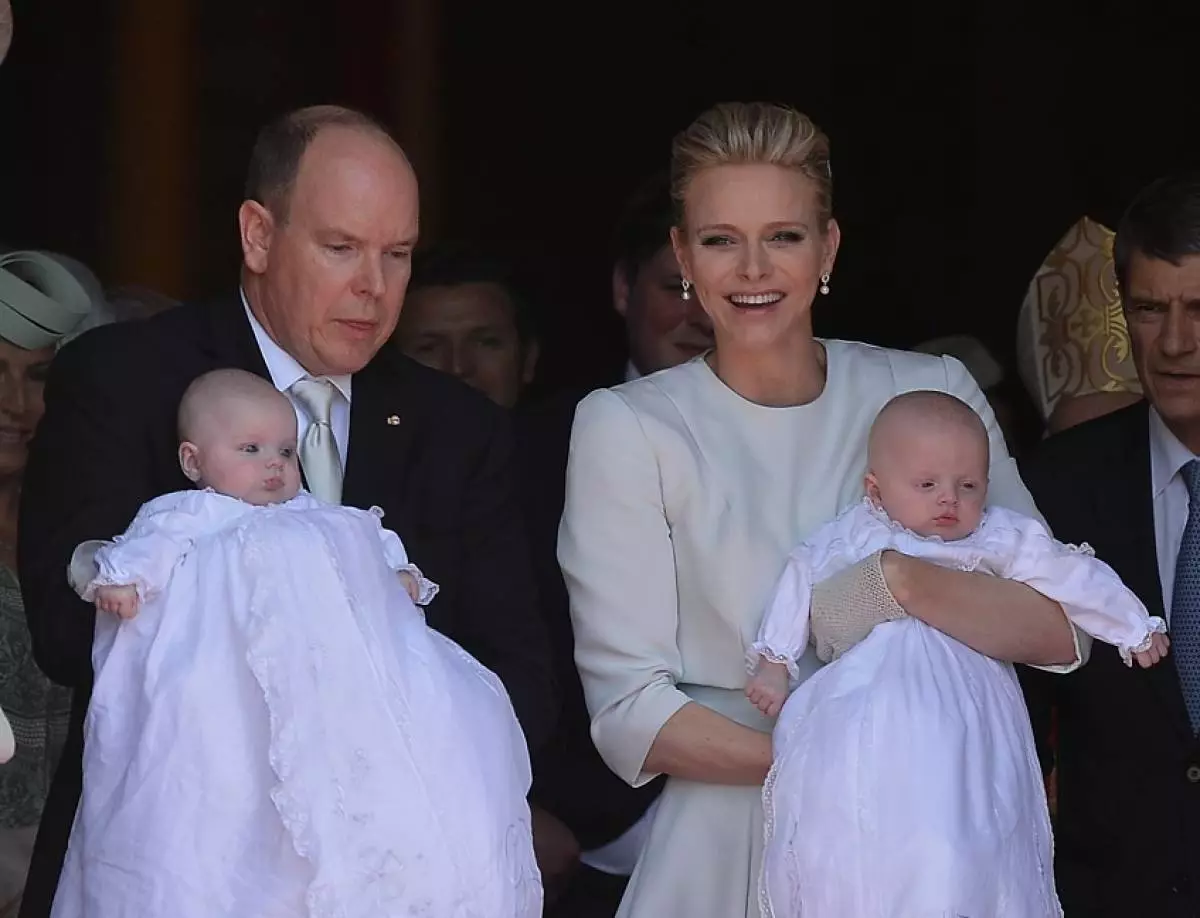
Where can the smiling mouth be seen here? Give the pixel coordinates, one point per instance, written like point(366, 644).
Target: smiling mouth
point(755, 300)
point(10, 436)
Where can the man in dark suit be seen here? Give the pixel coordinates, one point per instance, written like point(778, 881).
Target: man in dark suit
point(1128, 822)
point(327, 230)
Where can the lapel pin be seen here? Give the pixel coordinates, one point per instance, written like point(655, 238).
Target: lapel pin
point(393, 420)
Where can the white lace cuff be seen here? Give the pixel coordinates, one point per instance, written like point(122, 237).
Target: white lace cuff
point(426, 588)
point(760, 651)
point(86, 573)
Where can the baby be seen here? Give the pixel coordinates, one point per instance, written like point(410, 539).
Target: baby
point(239, 439)
point(905, 780)
point(927, 459)
point(274, 730)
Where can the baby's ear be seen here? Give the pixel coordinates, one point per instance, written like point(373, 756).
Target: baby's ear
point(871, 485)
point(189, 460)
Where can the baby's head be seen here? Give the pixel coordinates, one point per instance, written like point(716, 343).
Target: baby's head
point(927, 464)
point(239, 437)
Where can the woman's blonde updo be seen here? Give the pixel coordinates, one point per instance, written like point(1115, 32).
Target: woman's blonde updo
point(752, 133)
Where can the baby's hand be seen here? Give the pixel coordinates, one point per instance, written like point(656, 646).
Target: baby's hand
point(121, 601)
point(1158, 649)
point(411, 585)
point(768, 687)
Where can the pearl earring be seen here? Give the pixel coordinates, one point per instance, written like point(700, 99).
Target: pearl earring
point(825, 283)
point(685, 293)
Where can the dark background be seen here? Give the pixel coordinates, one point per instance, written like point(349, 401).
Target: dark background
point(966, 138)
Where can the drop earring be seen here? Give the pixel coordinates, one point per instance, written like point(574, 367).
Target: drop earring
point(825, 283)
point(686, 292)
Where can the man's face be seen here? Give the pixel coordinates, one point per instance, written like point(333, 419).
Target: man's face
point(1162, 308)
point(327, 278)
point(664, 329)
point(469, 331)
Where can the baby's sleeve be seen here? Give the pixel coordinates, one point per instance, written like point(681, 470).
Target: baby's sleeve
point(145, 555)
point(1089, 591)
point(786, 626)
point(397, 559)
point(783, 635)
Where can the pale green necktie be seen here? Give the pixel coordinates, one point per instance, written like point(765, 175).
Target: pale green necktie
point(319, 457)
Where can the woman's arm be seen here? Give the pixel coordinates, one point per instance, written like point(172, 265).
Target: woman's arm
point(698, 744)
point(619, 565)
point(1000, 618)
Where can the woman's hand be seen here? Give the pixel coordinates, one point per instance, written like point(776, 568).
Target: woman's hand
point(698, 744)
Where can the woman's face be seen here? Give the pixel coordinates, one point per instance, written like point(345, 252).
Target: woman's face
point(22, 378)
point(754, 247)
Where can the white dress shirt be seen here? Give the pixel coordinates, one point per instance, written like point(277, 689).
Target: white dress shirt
point(1171, 501)
point(286, 371)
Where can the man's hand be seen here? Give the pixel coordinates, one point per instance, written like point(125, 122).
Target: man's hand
point(121, 601)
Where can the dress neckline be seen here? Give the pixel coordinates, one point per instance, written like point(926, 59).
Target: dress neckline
point(832, 378)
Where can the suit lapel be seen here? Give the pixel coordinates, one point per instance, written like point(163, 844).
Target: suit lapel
point(1132, 514)
point(384, 418)
point(228, 340)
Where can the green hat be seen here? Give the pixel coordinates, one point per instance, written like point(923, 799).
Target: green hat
point(41, 301)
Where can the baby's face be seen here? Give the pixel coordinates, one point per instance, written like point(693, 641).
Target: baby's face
point(247, 450)
point(933, 482)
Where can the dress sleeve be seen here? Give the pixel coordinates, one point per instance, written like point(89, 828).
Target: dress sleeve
point(397, 559)
point(1090, 591)
point(617, 560)
point(144, 557)
point(1005, 488)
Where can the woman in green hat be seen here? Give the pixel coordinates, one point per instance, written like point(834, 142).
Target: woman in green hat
point(44, 301)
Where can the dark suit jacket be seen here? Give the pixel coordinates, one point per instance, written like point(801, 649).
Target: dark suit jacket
point(570, 779)
point(1128, 827)
point(444, 476)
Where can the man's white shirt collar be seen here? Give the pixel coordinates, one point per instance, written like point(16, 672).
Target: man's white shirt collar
point(1167, 454)
point(285, 370)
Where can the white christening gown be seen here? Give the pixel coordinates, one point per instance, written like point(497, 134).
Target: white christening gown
point(277, 734)
point(905, 781)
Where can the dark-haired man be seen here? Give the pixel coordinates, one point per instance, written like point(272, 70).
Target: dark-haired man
point(1127, 839)
point(661, 327)
point(465, 315)
point(327, 230)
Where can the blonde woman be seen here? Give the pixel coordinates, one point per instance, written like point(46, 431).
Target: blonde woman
point(687, 489)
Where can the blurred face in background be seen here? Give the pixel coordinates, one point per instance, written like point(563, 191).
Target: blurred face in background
point(22, 379)
point(470, 331)
point(663, 329)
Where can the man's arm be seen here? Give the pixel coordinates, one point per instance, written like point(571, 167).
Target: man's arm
point(497, 617)
point(85, 479)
